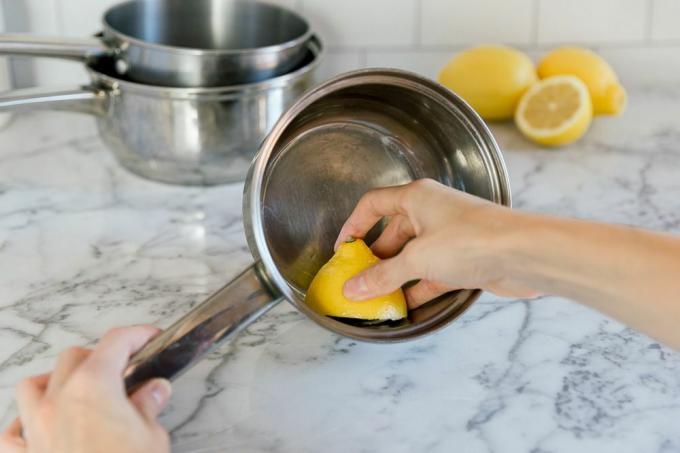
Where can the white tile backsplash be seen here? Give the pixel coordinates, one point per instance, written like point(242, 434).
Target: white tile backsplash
point(591, 21)
point(355, 23)
point(666, 19)
point(337, 62)
point(425, 63)
point(43, 16)
point(456, 22)
point(644, 65)
point(83, 18)
point(421, 35)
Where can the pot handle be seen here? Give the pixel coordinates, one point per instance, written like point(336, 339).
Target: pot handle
point(218, 318)
point(87, 99)
point(43, 46)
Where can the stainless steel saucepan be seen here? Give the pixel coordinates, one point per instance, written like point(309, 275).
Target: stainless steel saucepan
point(180, 43)
point(198, 136)
point(359, 131)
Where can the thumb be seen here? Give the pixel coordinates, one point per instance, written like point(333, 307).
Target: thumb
point(152, 397)
point(382, 278)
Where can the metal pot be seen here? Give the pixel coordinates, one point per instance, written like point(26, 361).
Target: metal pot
point(361, 130)
point(198, 136)
point(197, 43)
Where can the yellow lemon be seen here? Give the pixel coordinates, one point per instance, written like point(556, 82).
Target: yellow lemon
point(607, 94)
point(555, 111)
point(490, 78)
point(325, 296)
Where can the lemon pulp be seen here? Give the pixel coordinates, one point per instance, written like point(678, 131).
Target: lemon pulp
point(555, 111)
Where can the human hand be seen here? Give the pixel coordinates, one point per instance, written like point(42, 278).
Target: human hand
point(82, 406)
point(438, 235)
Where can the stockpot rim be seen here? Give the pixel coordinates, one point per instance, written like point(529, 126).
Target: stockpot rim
point(274, 48)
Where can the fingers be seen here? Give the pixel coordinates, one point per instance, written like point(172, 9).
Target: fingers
point(372, 207)
point(424, 291)
point(11, 441)
point(66, 364)
point(29, 394)
point(113, 351)
point(152, 397)
point(383, 278)
point(397, 233)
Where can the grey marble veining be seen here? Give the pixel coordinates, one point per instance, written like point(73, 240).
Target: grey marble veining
point(85, 246)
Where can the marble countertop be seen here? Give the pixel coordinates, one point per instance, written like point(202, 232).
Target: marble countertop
point(85, 246)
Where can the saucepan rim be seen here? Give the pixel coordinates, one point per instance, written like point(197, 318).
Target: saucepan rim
point(255, 184)
point(315, 46)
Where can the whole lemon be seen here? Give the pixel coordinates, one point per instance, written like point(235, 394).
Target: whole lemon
point(491, 79)
point(325, 295)
point(607, 94)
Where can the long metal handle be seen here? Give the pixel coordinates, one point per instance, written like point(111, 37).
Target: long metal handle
point(220, 317)
point(43, 46)
point(86, 99)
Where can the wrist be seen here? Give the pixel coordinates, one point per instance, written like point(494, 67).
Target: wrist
point(500, 237)
point(514, 235)
point(545, 254)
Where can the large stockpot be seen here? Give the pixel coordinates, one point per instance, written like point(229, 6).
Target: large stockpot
point(197, 136)
point(359, 131)
point(180, 43)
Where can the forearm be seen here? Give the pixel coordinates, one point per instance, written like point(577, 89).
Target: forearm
point(629, 274)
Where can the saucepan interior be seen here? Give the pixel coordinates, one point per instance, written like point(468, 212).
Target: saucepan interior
point(363, 130)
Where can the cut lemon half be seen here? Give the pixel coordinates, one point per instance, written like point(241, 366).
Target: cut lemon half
point(325, 295)
point(555, 111)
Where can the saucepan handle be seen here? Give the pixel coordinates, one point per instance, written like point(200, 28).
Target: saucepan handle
point(220, 317)
point(42, 46)
point(85, 99)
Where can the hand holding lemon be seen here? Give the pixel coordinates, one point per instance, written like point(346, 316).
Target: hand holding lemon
point(325, 293)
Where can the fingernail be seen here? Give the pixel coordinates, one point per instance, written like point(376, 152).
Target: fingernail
point(355, 288)
point(161, 392)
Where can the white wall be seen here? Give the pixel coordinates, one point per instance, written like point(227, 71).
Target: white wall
point(636, 35)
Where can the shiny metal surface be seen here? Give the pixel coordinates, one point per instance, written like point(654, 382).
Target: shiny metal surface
point(197, 136)
point(56, 47)
point(179, 43)
point(359, 131)
point(220, 317)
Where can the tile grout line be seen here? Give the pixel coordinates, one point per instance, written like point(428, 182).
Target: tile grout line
point(535, 13)
point(418, 26)
point(649, 21)
point(60, 16)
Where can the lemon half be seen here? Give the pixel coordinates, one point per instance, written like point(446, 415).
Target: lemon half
point(555, 111)
point(325, 295)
